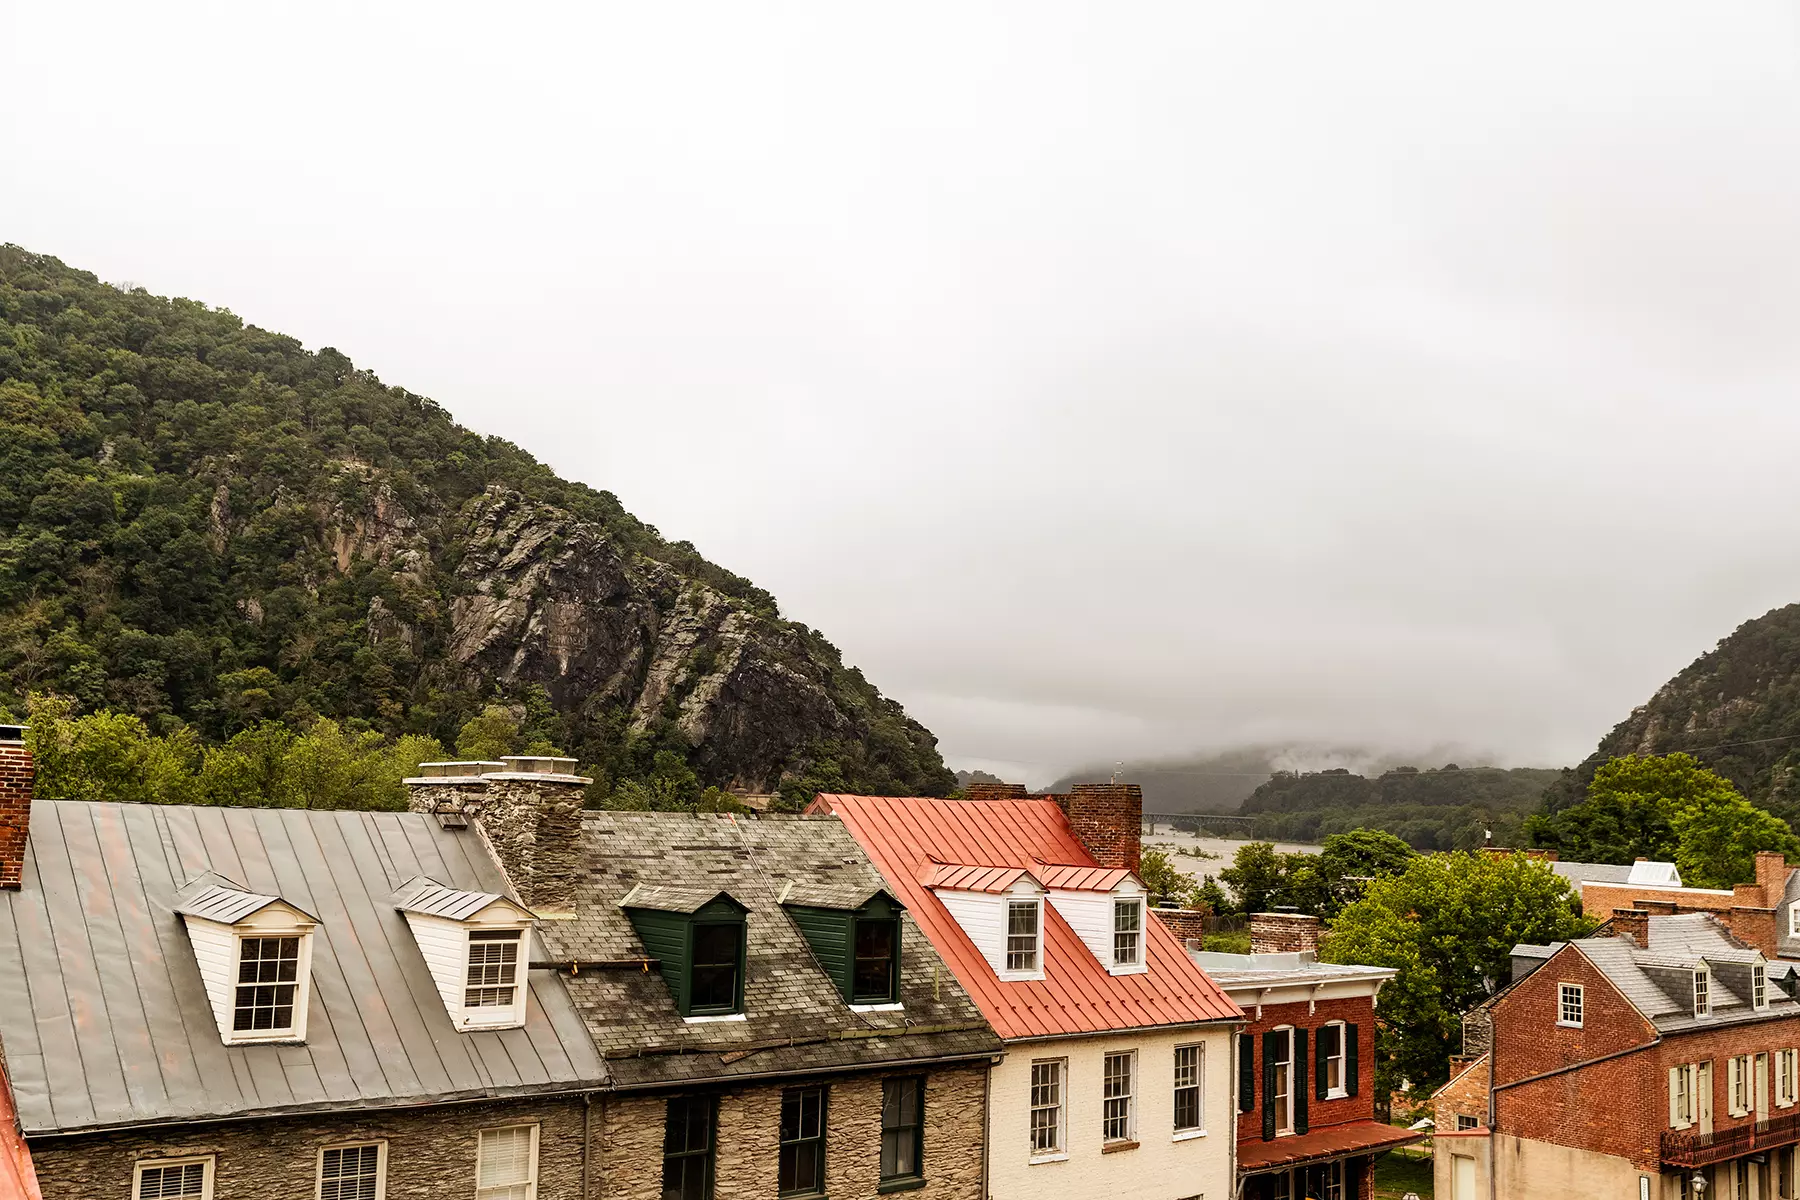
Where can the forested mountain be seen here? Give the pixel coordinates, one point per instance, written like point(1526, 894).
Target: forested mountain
point(1736, 709)
point(1445, 809)
point(207, 525)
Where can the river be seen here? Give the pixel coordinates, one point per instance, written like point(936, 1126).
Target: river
point(1207, 855)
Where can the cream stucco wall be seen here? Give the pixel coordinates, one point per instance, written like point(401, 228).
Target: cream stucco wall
point(1159, 1168)
point(1533, 1170)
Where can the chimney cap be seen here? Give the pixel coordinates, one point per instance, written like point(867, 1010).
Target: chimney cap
point(457, 770)
point(12, 733)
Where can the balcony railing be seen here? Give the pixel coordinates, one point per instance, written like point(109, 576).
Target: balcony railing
point(1703, 1149)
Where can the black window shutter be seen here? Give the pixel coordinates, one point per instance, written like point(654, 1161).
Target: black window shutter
point(1269, 1042)
point(1246, 1072)
point(1321, 1049)
point(1351, 1075)
point(1299, 1081)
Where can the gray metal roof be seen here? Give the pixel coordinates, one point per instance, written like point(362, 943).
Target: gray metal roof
point(216, 898)
point(104, 1018)
point(427, 897)
point(1645, 873)
point(1273, 970)
point(795, 1018)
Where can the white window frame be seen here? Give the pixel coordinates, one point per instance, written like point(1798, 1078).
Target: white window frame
point(1284, 1078)
point(485, 1016)
point(1036, 969)
point(1682, 1082)
point(1787, 1078)
point(1338, 1059)
point(531, 1179)
point(1136, 904)
point(1571, 1005)
point(148, 1164)
point(1129, 1096)
point(302, 985)
point(1759, 986)
point(380, 1166)
point(1058, 1149)
point(1702, 991)
point(1794, 919)
point(1198, 1087)
point(1738, 1075)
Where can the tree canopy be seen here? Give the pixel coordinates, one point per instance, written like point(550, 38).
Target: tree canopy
point(1263, 878)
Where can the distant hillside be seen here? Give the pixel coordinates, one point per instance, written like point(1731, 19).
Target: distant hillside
point(1736, 708)
point(206, 525)
point(1445, 809)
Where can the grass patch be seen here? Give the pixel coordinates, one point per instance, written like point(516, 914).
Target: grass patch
point(1401, 1171)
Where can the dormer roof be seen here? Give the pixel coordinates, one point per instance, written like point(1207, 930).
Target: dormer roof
point(212, 897)
point(844, 897)
point(1078, 877)
point(426, 896)
point(967, 877)
point(675, 898)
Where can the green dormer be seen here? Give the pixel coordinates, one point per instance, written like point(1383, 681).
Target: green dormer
point(699, 938)
point(855, 936)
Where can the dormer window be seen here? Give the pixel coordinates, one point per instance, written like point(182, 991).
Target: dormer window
point(1024, 932)
point(477, 948)
point(876, 975)
point(854, 935)
point(1759, 986)
point(1128, 932)
point(1702, 987)
point(255, 958)
point(698, 938)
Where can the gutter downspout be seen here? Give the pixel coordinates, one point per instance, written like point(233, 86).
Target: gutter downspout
point(587, 1140)
point(1493, 1115)
point(1231, 1153)
point(987, 1123)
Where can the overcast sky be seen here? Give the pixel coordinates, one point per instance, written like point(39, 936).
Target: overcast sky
point(1109, 381)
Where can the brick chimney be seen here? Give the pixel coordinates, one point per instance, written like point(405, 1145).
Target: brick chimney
point(1772, 875)
point(1109, 820)
point(1283, 933)
point(1633, 923)
point(997, 791)
point(528, 809)
point(16, 773)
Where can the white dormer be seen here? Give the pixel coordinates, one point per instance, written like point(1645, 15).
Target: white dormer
point(255, 959)
point(1105, 908)
point(1001, 909)
point(477, 946)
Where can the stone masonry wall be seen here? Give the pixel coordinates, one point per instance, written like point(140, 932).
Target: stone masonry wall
point(533, 824)
point(750, 1131)
point(15, 811)
point(430, 1152)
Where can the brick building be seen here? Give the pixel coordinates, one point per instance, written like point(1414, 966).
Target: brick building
point(1118, 1070)
point(1305, 1067)
point(1661, 1061)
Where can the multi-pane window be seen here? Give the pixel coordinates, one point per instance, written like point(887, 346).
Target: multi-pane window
point(1128, 932)
point(1759, 986)
point(350, 1172)
point(1737, 1081)
point(1281, 1067)
point(1333, 1173)
point(1281, 1186)
point(1331, 1059)
point(902, 1128)
point(1569, 1005)
point(688, 1148)
point(1702, 993)
point(1188, 1113)
point(506, 1163)
point(1681, 1096)
point(179, 1179)
point(1022, 935)
point(1787, 1077)
point(268, 980)
point(493, 968)
point(801, 1170)
point(1118, 1096)
point(876, 943)
point(1465, 1122)
point(1794, 920)
point(1047, 1106)
point(718, 948)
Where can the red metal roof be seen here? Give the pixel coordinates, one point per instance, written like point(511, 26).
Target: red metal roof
point(1333, 1141)
point(965, 878)
point(17, 1179)
point(1079, 877)
point(904, 837)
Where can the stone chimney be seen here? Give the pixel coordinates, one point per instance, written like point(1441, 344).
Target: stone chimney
point(1283, 933)
point(1109, 820)
point(16, 773)
point(529, 811)
point(1633, 923)
point(997, 791)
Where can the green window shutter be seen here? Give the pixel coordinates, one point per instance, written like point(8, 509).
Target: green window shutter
point(1300, 1081)
point(1352, 1077)
point(827, 932)
point(665, 938)
point(1246, 1072)
point(1268, 1074)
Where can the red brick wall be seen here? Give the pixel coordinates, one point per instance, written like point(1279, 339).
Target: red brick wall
point(997, 791)
point(1464, 1096)
point(1598, 900)
point(1715, 1046)
point(1184, 923)
point(1108, 818)
point(15, 811)
point(1283, 933)
point(1359, 1011)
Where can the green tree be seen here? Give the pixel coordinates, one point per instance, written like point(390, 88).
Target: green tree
point(1257, 876)
point(1447, 924)
point(488, 736)
point(1165, 880)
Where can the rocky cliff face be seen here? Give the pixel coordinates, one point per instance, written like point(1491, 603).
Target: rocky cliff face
point(1735, 708)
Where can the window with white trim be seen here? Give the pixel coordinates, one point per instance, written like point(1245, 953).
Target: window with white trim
point(1702, 992)
point(506, 1163)
point(1681, 1095)
point(1024, 923)
point(1118, 1096)
point(1190, 1110)
point(1281, 1063)
point(1331, 1055)
point(1787, 1077)
point(1738, 1073)
point(1128, 932)
point(1759, 986)
point(1569, 1000)
point(270, 992)
point(493, 969)
point(1794, 919)
point(173, 1179)
point(1047, 1106)
point(1465, 1122)
point(353, 1172)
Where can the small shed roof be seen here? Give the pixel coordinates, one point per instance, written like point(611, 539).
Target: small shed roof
point(1080, 877)
point(213, 897)
point(965, 877)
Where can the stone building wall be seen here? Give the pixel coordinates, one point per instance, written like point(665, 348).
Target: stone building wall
point(430, 1152)
point(750, 1129)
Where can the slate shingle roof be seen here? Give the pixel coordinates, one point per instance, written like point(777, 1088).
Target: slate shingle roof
point(105, 1020)
point(795, 1019)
